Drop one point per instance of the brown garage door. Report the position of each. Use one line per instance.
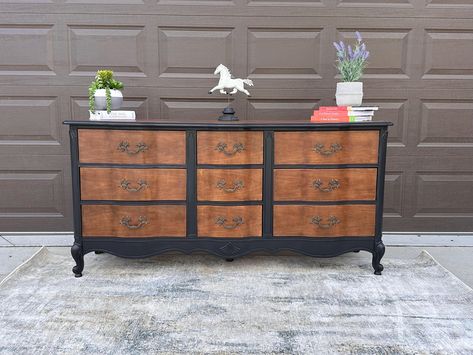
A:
(420, 74)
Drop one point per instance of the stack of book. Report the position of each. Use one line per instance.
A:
(112, 116)
(329, 114)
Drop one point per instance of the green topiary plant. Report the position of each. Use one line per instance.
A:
(103, 80)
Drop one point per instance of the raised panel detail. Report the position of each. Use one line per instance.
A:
(395, 111)
(42, 189)
(449, 3)
(375, 3)
(444, 194)
(120, 48)
(393, 187)
(29, 120)
(284, 53)
(448, 54)
(285, 3)
(446, 123)
(80, 107)
(390, 47)
(193, 52)
(26, 50)
(175, 109)
(280, 109)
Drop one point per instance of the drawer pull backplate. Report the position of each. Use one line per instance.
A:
(237, 185)
(125, 185)
(333, 184)
(332, 221)
(320, 149)
(237, 148)
(124, 146)
(237, 221)
(142, 221)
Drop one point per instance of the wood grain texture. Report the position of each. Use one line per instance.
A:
(208, 144)
(229, 221)
(121, 184)
(156, 221)
(339, 147)
(324, 184)
(104, 146)
(297, 220)
(229, 184)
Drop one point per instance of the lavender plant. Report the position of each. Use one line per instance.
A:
(351, 61)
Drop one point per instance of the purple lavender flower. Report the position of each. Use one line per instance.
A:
(358, 36)
(351, 59)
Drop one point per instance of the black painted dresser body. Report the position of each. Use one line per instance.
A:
(148, 187)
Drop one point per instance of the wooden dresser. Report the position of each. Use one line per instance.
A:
(147, 187)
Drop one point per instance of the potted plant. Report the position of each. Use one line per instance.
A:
(104, 92)
(351, 61)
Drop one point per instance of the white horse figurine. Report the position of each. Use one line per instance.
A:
(227, 82)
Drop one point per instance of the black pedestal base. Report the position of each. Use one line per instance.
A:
(228, 115)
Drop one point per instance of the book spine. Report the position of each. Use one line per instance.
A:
(333, 114)
(335, 108)
(339, 120)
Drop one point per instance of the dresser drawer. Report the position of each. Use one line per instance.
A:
(132, 184)
(324, 184)
(230, 147)
(324, 221)
(339, 147)
(133, 221)
(229, 221)
(229, 184)
(132, 147)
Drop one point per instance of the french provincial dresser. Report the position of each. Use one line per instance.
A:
(230, 188)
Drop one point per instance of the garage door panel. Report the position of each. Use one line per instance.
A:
(35, 193)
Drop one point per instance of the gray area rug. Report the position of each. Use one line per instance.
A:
(201, 304)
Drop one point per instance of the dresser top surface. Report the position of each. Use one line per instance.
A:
(215, 124)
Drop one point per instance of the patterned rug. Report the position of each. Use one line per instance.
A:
(256, 305)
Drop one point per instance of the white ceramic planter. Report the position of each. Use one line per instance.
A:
(101, 100)
(349, 93)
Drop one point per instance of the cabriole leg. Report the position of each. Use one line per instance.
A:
(76, 252)
(377, 256)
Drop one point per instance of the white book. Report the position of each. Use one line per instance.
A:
(112, 116)
(364, 108)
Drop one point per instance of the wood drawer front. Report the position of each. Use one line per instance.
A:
(324, 221)
(133, 221)
(229, 184)
(324, 184)
(230, 147)
(132, 184)
(338, 147)
(229, 221)
(132, 147)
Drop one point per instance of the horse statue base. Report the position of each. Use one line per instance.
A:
(228, 114)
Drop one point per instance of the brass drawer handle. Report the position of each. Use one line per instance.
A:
(320, 148)
(142, 221)
(333, 184)
(332, 221)
(237, 221)
(237, 185)
(124, 146)
(237, 148)
(125, 185)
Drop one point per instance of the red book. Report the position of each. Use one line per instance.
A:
(333, 114)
